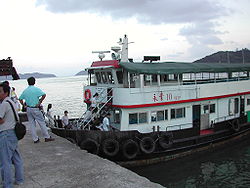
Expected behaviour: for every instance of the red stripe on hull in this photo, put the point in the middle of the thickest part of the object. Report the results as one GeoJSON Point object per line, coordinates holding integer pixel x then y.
{"type": "Point", "coordinates": [182, 101]}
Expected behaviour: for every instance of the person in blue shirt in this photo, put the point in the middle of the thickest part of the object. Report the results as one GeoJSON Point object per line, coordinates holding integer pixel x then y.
{"type": "Point", "coordinates": [33, 97]}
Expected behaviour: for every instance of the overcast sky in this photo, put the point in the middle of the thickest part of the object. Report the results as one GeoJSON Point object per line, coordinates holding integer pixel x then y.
{"type": "Point", "coordinates": [58, 36]}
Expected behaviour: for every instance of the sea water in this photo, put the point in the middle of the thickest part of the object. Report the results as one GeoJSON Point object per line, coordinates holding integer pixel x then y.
{"type": "Point", "coordinates": [228, 167]}
{"type": "Point", "coordinates": [64, 93]}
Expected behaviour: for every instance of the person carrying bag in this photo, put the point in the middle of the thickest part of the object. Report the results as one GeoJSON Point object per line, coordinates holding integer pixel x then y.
{"type": "Point", "coordinates": [20, 128]}
{"type": "Point", "coordinates": [9, 152]}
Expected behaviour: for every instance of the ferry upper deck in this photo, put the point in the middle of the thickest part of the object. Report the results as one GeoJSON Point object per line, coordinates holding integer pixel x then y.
{"type": "Point", "coordinates": [139, 75]}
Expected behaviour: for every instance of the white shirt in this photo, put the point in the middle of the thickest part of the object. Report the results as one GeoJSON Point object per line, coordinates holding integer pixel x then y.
{"type": "Point", "coordinates": [65, 120]}
{"type": "Point", "coordinates": [93, 102]}
{"type": "Point", "coordinates": [87, 116]}
{"type": "Point", "coordinates": [105, 124]}
{"type": "Point", "coordinates": [7, 115]}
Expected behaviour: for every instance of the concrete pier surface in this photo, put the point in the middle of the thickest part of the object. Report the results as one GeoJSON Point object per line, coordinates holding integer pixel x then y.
{"type": "Point", "coordinates": [61, 164]}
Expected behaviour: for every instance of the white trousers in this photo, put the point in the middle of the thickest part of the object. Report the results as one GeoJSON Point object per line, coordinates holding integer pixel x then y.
{"type": "Point", "coordinates": [35, 115]}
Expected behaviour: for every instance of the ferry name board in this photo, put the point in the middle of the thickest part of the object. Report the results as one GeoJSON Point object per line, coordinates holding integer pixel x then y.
{"type": "Point", "coordinates": [166, 96]}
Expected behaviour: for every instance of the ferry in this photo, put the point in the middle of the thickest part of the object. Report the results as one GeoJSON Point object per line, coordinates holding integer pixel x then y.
{"type": "Point", "coordinates": [160, 110]}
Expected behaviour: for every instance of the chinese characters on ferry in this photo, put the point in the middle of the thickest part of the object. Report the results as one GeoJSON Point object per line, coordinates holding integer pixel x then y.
{"type": "Point", "coordinates": [160, 97]}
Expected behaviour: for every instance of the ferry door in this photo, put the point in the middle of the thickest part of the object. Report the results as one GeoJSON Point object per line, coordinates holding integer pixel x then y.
{"type": "Point", "coordinates": [197, 116]}
{"type": "Point", "coordinates": [242, 106]}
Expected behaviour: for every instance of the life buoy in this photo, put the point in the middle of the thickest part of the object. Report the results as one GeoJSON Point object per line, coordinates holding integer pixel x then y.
{"type": "Point", "coordinates": [71, 140]}
{"type": "Point", "coordinates": [130, 149]}
{"type": "Point", "coordinates": [147, 145]}
{"type": "Point", "coordinates": [87, 94]}
{"type": "Point", "coordinates": [110, 147]}
{"type": "Point", "coordinates": [90, 145]}
{"type": "Point", "coordinates": [166, 141]}
{"type": "Point", "coordinates": [236, 125]}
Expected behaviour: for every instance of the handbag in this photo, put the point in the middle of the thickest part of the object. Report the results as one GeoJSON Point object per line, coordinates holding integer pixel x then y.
{"type": "Point", "coordinates": [20, 128]}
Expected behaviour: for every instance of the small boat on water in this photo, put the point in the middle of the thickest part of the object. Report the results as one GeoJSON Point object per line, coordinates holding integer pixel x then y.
{"type": "Point", "coordinates": [7, 68]}
{"type": "Point", "coordinates": [160, 110]}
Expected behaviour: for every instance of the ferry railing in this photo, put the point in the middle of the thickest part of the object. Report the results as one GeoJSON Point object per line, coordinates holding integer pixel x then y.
{"type": "Point", "coordinates": [224, 118]}
{"type": "Point", "coordinates": [81, 121]}
{"type": "Point", "coordinates": [178, 126]}
{"type": "Point", "coordinates": [96, 114]}
{"type": "Point", "coordinates": [217, 80]}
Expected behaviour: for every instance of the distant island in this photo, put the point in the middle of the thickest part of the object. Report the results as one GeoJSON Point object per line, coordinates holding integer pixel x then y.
{"type": "Point", "coordinates": [36, 75]}
{"type": "Point", "coordinates": [82, 73]}
{"type": "Point", "coordinates": [238, 56]}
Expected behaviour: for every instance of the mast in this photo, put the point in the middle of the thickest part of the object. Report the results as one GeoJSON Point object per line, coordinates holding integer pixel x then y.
{"type": "Point", "coordinates": [124, 52]}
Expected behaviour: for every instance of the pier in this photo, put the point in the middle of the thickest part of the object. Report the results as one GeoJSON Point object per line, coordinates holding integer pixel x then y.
{"type": "Point", "coordinates": [61, 164]}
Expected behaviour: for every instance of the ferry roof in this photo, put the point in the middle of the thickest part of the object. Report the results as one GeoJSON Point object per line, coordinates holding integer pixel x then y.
{"type": "Point", "coordinates": [178, 68]}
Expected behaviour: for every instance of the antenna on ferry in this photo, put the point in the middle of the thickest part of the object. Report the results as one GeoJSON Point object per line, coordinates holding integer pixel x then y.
{"type": "Point", "coordinates": [124, 52]}
{"type": "Point", "coordinates": [101, 54]}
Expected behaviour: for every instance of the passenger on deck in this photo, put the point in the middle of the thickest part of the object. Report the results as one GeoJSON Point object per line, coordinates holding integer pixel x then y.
{"type": "Point", "coordinates": [88, 115]}
{"type": "Point", "coordinates": [14, 98]}
{"type": "Point", "coordinates": [94, 103]}
{"type": "Point", "coordinates": [105, 126]}
{"type": "Point", "coordinates": [49, 114]}
{"type": "Point", "coordinates": [65, 119]}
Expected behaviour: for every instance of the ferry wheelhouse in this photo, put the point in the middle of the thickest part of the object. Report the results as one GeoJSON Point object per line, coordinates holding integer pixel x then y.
{"type": "Point", "coordinates": [162, 110]}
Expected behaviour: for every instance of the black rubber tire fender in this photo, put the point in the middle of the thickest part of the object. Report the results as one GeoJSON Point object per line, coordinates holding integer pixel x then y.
{"type": "Point", "coordinates": [90, 145]}
{"type": "Point", "coordinates": [236, 125]}
{"type": "Point", "coordinates": [147, 145]}
{"type": "Point", "coordinates": [110, 147]}
{"type": "Point", "coordinates": [166, 141]}
{"type": "Point", "coordinates": [71, 140]}
{"type": "Point", "coordinates": [130, 149]}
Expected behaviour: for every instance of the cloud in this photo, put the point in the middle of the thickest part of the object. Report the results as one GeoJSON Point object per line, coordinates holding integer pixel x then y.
{"type": "Point", "coordinates": [146, 11]}
{"type": "Point", "coordinates": [200, 35]}
{"type": "Point", "coordinates": [164, 39]}
{"type": "Point", "coordinates": [199, 16]}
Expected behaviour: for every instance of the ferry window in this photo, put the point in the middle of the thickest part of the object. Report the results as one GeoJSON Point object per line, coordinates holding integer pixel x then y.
{"type": "Point", "coordinates": [143, 117]}
{"type": "Point", "coordinates": [171, 76]}
{"type": "Point", "coordinates": [212, 108]}
{"type": "Point", "coordinates": [110, 77]}
{"type": "Point", "coordinates": [133, 78]}
{"type": "Point", "coordinates": [239, 74]}
{"type": "Point", "coordinates": [166, 114]}
{"type": "Point", "coordinates": [153, 116]}
{"type": "Point", "coordinates": [160, 115]}
{"type": "Point", "coordinates": [119, 77]}
{"type": "Point", "coordinates": [236, 105]}
{"type": "Point", "coordinates": [206, 109]}
{"type": "Point", "coordinates": [154, 78]}
{"type": "Point", "coordinates": [177, 113]}
{"type": "Point", "coordinates": [147, 79]}
{"type": "Point", "coordinates": [133, 119]}
{"type": "Point", "coordinates": [98, 77]}
{"type": "Point", "coordinates": [209, 108]}
{"type": "Point", "coordinates": [117, 117]}
{"type": "Point", "coordinates": [164, 78]}
{"type": "Point", "coordinates": [231, 107]}
{"type": "Point", "coordinates": [136, 118]}
{"type": "Point", "coordinates": [248, 101]}
{"type": "Point", "coordinates": [104, 78]}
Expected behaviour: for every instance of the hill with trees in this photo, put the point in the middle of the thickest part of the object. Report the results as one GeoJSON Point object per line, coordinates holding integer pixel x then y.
{"type": "Point", "coordinates": [238, 56]}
